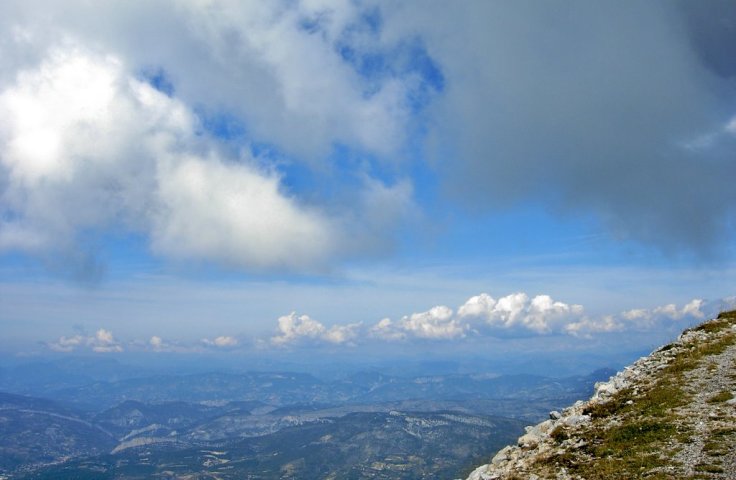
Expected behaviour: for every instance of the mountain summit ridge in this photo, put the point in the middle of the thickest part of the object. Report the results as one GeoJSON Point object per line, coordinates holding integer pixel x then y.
{"type": "Point", "coordinates": [671, 414]}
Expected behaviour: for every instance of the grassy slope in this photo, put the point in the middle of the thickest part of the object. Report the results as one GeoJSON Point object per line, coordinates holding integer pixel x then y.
{"type": "Point", "coordinates": [639, 432]}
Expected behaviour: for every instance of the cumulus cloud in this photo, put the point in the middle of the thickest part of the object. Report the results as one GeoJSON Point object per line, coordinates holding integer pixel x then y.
{"type": "Point", "coordinates": [114, 124]}
{"type": "Point", "coordinates": [517, 311]}
{"type": "Point", "coordinates": [227, 212]}
{"type": "Point", "coordinates": [514, 315]}
{"type": "Point", "coordinates": [102, 341]}
{"type": "Point", "coordinates": [294, 329]}
{"type": "Point", "coordinates": [280, 66]}
{"type": "Point", "coordinates": [643, 316]}
{"type": "Point", "coordinates": [386, 330]}
{"type": "Point", "coordinates": [156, 343]}
{"type": "Point", "coordinates": [437, 323]}
{"type": "Point", "coordinates": [642, 319]}
{"type": "Point", "coordinates": [85, 146]}
{"type": "Point", "coordinates": [105, 342]}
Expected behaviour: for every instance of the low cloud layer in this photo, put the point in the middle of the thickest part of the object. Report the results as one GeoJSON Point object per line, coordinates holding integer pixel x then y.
{"type": "Point", "coordinates": [515, 315]}
{"type": "Point", "coordinates": [102, 341]}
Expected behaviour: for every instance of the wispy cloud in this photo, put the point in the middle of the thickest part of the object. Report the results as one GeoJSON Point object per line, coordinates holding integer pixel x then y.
{"type": "Point", "coordinates": [223, 341]}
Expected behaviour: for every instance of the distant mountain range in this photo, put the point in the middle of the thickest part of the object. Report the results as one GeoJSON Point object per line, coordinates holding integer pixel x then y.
{"type": "Point", "coordinates": [272, 424]}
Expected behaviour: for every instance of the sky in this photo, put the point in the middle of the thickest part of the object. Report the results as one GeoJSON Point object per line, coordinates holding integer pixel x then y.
{"type": "Point", "coordinates": [356, 176]}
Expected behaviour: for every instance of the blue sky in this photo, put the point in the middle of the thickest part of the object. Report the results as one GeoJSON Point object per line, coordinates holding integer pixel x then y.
{"type": "Point", "coordinates": [271, 176]}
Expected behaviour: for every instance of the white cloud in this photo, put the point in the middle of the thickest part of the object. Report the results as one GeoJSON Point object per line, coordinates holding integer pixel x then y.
{"type": "Point", "coordinates": [222, 341]}
{"type": "Point", "coordinates": [342, 334]}
{"type": "Point", "coordinates": [731, 126]}
{"type": "Point", "coordinates": [478, 306]}
{"type": "Point", "coordinates": [293, 329]}
{"type": "Point", "coordinates": [635, 314]}
{"type": "Point", "coordinates": [301, 93]}
{"type": "Point", "coordinates": [278, 65]}
{"type": "Point", "coordinates": [79, 131]}
{"type": "Point", "coordinates": [67, 344]}
{"type": "Point", "coordinates": [437, 323]}
{"type": "Point", "coordinates": [645, 318]}
{"type": "Point", "coordinates": [227, 212]}
{"type": "Point", "coordinates": [102, 341]}
{"type": "Point", "coordinates": [156, 342]}
{"type": "Point", "coordinates": [538, 316]}
{"type": "Point", "coordinates": [514, 315]}
{"type": "Point", "coordinates": [386, 330]}
{"type": "Point", "coordinates": [585, 327]}
{"type": "Point", "coordinates": [83, 145]}
{"type": "Point", "coordinates": [642, 319]}
{"type": "Point", "coordinates": [517, 312]}
{"type": "Point", "coordinates": [694, 309]}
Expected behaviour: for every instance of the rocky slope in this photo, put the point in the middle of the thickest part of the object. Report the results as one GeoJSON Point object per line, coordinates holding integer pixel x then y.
{"type": "Point", "coordinates": [670, 415]}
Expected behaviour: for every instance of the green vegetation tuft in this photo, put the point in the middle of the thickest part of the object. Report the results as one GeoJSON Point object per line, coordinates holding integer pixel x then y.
{"type": "Point", "coordinates": [564, 459]}
{"type": "Point", "coordinates": [715, 449]}
{"type": "Point", "coordinates": [611, 406]}
{"type": "Point", "coordinates": [721, 397]}
{"type": "Point", "coordinates": [709, 467]}
{"type": "Point", "coordinates": [559, 434]}
{"type": "Point", "coordinates": [720, 433]}
{"type": "Point", "coordinates": [618, 440]}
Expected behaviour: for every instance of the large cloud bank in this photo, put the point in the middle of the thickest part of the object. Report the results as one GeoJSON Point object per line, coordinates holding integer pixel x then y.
{"type": "Point", "coordinates": [617, 110]}
{"type": "Point", "coordinates": [179, 122]}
